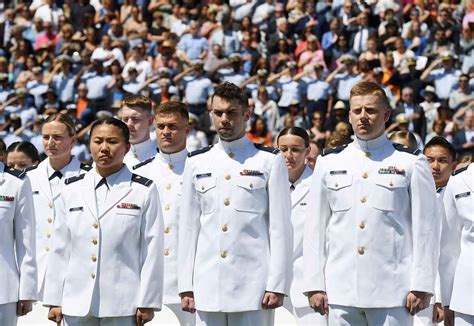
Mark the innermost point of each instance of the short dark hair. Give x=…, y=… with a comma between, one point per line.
x=441, y=142
x=230, y=93
x=173, y=107
x=114, y=122
x=26, y=148
x=296, y=131
x=137, y=101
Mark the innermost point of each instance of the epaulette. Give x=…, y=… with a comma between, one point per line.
x=74, y=178
x=406, y=149
x=460, y=170
x=200, y=151
x=267, y=149
x=31, y=168
x=145, y=162
x=333, y=150
x=141, y=180
x=17, y=173
x=86, y=167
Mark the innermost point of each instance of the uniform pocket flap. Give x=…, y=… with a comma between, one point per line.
x=204, y=184
x=391, y=182
x=251, y=182
x=336, y=182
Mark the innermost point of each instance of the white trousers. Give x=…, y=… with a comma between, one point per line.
x=244, y=318
x=90, y=320
x=185, y=318
x=305, y=315
x=8, y=315
x=463, y=319
x=342, y=315
x=426, y=316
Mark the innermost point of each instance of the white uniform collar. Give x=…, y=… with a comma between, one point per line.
x=174, y=157
x=50, y=170
x=234, y=145
x=142, y=148
x=112, y=179
x=371, y=144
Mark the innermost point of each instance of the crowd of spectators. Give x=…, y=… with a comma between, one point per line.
x=296, y=59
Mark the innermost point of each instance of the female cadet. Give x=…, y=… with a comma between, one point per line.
x=293, y=143
x=108, y=240
x=47, y=181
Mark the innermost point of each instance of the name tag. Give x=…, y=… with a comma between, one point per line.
x=391, y=170
x=203, y=175
x=128, y=206
x=464, y=194
x=337, y=172
x=76, y=209
x=251, y=172
x=6, y=198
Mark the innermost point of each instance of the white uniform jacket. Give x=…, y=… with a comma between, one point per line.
x=17, y=238
x=372, y=227
x=166, y=171
x=44, y=201
x=107, y=264
x=140, y=152
x=299, y=202
x=235, y=233
x=457, y=243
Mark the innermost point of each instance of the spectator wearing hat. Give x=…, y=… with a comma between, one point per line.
x=401, y=54
x=19, y=105
x=430, y=105
x=444, y=78
x=196, y=139
x=409, y=78
x=234, y=73
x=413, y=112
x=288, y=89
x=461, y=96
x=402, y=124
x=293, y=117
x=194, y=45
x=36, y=86
x=107, y=51
x=344, y=77
x=339, y=113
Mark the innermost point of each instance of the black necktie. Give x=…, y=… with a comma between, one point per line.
x=292, y=187
x=102, y=181
x=56, y=174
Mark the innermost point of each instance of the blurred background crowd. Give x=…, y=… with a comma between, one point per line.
x=296, y=59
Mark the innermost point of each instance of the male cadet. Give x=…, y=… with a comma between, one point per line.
x=166, y=170
x=372, y=226
x=235, y=239
x=136, y=113
x=457, y=247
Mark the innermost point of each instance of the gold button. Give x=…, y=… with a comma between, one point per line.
x=50, y=205
x=225, y=228
x=168, y=186
x=50, y=220
x=167, y=207
x=166, y=252
x=46, y=248
x=94, y=258
x=93, y=275
x=171, y=166
x=227, y=202
x=361, y=250
x=227, y=177
x=48, y=235
x=167, y=230
x=94, y=241
x=367, y=154
x=362, y=225
x=365, y=175
x=231, y=155
x=223, y=254
x=95, y=225
x=363, y=200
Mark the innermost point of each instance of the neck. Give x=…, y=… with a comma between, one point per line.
x=59, y=162
x=440, y=184
x=141, y=141
x=107, y=171
x=296, y=174
x=169, y=152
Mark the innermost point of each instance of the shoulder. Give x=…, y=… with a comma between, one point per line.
x=31, y=168
x=334, y=150
x=200, y=151
x=73, y=179
x=141, y=180
x=17, y=173
x=459, y=171
x=86, y=167
x=266, y=149
x=145, y=162
x=406, y=149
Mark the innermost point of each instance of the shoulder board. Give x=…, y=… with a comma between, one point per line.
x=30, y=168
x=333, y=150
x=141, y=180
x=86, y=167
x=17, y=173
x=267, y=149
x=200, y=151
x=145, y=162
x=74, y=178
x=406, y=149
x=460, y=170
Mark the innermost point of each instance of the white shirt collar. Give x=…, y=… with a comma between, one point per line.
x=111, y=179
x=173, y=157
x=234, y=145
x=50, y=170
x=371, y=144
x=142, y=147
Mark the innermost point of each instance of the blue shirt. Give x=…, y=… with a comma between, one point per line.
x=193, y=46
x=197, y=89
x=97, y=86
x=444, y=81
x=64, y=87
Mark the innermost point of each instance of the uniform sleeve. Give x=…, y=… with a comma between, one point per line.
x=58, y=257
x=314, y=240
x=151, y=253
x=25, y=245
x=280, y=229
x=189, y=227
x=450, y=247
x=425, y=227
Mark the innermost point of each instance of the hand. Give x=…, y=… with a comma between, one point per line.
x=187, y=302
x=438, y=313
x=144, y=315
x=55, y=314
x=23, y=307
x=448, y=317
x=417, y=301
x=318, y=300
x=272, y=300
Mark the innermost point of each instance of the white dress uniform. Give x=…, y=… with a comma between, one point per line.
x=370, y=231
x=107, y=249
x=140, y=152
x=166, y=171
x=47, y=186
x=457, y=246
x=235, y=233
x=17, y=238
x=298, y=305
